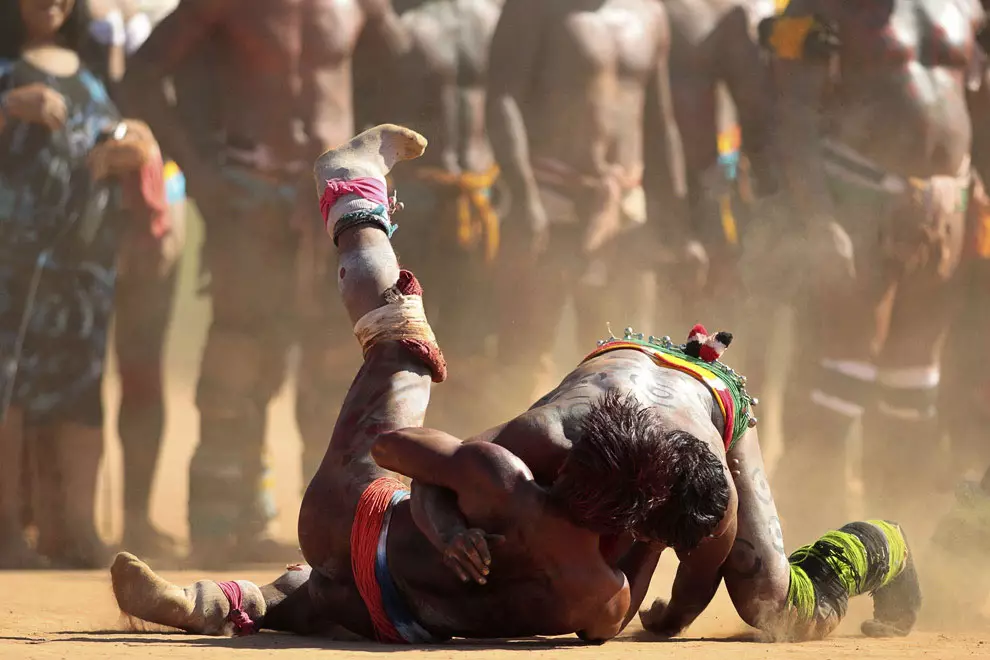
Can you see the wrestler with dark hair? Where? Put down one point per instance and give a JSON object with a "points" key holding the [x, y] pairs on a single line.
{"points": [[566, 508]]}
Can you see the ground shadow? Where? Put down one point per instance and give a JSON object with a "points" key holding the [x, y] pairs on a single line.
{"points": [[746, 637], [267, 641]]}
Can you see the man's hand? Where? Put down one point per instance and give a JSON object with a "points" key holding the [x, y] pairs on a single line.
{"points": [[467, 554], [37, 104], [691, 265], [655, 619], [527, 234], [831, 252]]}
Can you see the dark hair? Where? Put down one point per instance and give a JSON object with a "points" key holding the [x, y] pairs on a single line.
{"points": [[628, 472], [74, 33]]}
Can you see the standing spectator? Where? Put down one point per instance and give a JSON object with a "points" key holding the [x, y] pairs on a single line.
{"points": [[75, 184]]}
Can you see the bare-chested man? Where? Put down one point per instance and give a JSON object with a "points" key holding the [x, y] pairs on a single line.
{"points": [[450, 234], [285, 72], [723, 103], [631, 445], [568, 106], [875, 106]]}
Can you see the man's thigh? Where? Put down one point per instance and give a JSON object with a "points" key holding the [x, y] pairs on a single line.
{"points": [[918, 318], [391, 392], [251, 259]]}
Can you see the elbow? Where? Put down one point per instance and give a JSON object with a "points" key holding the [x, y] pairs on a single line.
{"points": [[592, 639], [497, 107], [383, 449]]}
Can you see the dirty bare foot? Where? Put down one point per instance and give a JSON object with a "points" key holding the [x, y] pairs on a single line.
{"points": [[200, 608], [372, 153]]}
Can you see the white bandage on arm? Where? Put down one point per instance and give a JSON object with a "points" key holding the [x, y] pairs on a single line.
{"points": [[403, 317], [109, 30]]}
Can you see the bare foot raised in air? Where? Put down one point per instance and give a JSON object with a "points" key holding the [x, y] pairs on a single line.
{"points": [[372, 154]]}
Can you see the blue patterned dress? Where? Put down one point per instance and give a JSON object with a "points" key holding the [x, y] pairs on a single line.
{"points": [[52, 348]]}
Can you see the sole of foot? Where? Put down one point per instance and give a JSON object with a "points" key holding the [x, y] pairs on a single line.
{"points": [[372, 153]]}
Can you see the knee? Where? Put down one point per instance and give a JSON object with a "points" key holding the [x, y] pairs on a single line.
{"points": [[908, 394], [141, 382], [843, 387], [237, 371]]}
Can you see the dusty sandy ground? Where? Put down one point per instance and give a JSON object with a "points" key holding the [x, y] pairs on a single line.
{"points": [[73, 615]]}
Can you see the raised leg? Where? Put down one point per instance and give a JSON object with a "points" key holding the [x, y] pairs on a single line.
{"points": [[805, 596], [391, 391]]}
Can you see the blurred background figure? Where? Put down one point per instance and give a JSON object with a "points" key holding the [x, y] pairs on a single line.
{"points": [[285, 68], [883, 218], [450, 227], [145, 297], [79, 190], [567, 115], [724, 107]]}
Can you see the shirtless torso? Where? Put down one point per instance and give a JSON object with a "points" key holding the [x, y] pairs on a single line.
{"points": [[286, 74], [440, 83], [573, 89]]}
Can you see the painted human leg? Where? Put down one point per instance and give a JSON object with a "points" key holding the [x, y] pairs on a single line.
{"points": [[805, 596], [391, 391]]}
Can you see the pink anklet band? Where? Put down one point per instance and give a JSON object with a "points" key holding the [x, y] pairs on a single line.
{"points": [[371, 189], [243, 625]]}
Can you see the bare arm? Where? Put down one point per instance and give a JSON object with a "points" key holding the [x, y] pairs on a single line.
{"points": [[698, 576], [465, 549], [612, 615], [474, 470], [757, 573], [979, 104], [664, 171], [748, 78], [638, 565], [141, 91], [801, 83], [513, 57]]}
